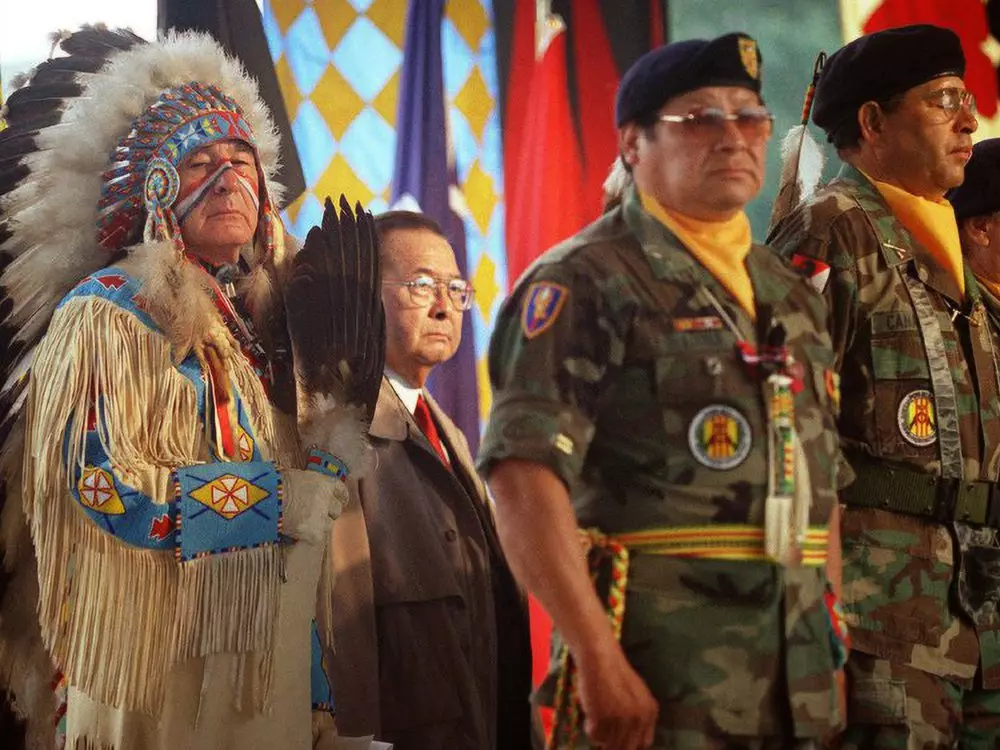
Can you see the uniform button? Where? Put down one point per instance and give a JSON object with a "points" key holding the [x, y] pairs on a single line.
{"points": [[451, 535]]}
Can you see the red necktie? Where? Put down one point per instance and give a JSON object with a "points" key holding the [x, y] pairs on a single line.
{"points": [[426, 423]]}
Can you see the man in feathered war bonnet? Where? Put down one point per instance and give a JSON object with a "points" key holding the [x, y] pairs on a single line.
{"points": [[169, 483]]}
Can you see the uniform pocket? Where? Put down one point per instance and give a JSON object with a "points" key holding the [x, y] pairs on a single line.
{"points": [[877, 701], [897, 572], [980, 571], [711, 416], [905, 415]]}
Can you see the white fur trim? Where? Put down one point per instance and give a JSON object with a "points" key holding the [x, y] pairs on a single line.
{"points": [[178, 297], [341, 430]]}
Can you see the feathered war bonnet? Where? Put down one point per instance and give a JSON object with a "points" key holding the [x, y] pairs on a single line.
{"points": [[88, 164]]}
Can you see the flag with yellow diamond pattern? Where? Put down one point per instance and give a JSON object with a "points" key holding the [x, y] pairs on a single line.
{"points": [[338, 64]]}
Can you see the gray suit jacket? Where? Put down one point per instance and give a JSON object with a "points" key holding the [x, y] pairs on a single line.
{"points": [[432, 647]]}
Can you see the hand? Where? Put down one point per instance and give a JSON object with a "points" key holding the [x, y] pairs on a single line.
{"points": [[620, 711], [338, 429]]}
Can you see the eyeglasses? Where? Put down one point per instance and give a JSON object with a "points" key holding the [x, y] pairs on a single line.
{"points": [[424, 290], [754, 123], [950, 100]]}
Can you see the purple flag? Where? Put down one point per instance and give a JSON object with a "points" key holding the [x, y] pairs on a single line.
{"points": [[425, 170]]}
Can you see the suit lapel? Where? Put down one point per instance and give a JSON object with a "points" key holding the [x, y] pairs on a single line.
{"points": [[393, 421], [457, 447], [390, 420], [464, 470]]}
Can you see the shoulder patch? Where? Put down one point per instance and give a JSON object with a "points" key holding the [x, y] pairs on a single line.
{"points": [[817, 272], [543, 302]]}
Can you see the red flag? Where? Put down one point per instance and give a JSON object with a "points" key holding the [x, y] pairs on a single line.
{"points": [[544, 198], [543, 178], [656, 24], [521, 69], [541, 634], [597, 84]]}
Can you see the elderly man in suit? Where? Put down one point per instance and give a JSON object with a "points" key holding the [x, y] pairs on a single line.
{"points": [[432, 647]]}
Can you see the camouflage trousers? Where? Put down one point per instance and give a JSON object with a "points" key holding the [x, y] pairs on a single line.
{"points": [[896, 707]]}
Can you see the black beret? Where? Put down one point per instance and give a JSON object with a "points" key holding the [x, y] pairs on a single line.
{"points": [[878, 66], [979, 194], [679, 67]]}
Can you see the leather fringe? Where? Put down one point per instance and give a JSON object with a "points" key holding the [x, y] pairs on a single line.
{"points": [[116, 618]]}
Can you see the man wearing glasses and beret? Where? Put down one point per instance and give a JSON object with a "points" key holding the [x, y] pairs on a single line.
{"points": [[918, 364], [435, 652], [662, 446]]}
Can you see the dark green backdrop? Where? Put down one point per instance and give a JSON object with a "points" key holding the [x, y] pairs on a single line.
{"points": [[790, 33]]}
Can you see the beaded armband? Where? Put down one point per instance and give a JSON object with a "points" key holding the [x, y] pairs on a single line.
{"points": [[327, 463]]}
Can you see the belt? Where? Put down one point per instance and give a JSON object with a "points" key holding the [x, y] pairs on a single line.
{"points": [[915, 493], [719, 542], [610, 553]]}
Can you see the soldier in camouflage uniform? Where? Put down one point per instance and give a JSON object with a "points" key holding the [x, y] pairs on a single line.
{"points": [[920, 426], [664, 390], [977, 208]]}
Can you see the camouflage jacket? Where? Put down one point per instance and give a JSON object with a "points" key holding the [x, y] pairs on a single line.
{"points": [[992, 307], [609, 362], [919, 378]]}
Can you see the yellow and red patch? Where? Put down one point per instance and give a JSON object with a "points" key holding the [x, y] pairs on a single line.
{"points": [[542, 305], [703, 323], [719, 437], [916, 418]]}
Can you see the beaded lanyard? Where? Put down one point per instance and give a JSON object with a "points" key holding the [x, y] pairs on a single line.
{"points": [[786, 507]]}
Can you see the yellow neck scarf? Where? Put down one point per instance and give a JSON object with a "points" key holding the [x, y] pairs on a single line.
{"points": [[932, 223], [720, 246]]}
